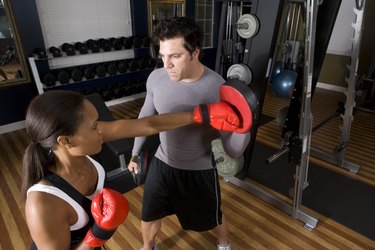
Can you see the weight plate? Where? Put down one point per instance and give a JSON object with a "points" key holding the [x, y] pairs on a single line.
{"points": [[247, 26], [241, 72], [225, 165]]}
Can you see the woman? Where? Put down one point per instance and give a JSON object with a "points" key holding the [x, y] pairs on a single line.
{"points": [[59, 177]]}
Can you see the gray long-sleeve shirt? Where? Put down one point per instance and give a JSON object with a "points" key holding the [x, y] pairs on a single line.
{"points": [[187, 147]]}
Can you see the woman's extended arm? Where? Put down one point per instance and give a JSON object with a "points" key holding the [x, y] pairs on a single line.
{"points": [[145, 126]]}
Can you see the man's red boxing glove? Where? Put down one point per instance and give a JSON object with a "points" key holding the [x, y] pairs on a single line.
{"points": [[109, 209], [219, 115]]}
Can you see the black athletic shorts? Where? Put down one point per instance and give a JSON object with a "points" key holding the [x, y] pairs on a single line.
{"points": [[193, 195]]}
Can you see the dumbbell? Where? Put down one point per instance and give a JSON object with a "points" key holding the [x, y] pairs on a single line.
{"points": [[150, 62], [125, 87], [118, 92], [122, 66], [49, 79], [63, 76], [128, 42], [140, 86], [111, 68], [56, 52], [129, 88], [108, 94], [99, 89], [76, 74], [122, 39], [88, 72], [81, 47], [68, 49], [132, 87], [100, 70], [93, 45], [143, 63], [116, 43], [40, 53], [105, 44], [133, 65]]}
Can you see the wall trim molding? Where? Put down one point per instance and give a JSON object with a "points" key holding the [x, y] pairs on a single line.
{"points": [[22, 124], [12, 127], [332, 87]]}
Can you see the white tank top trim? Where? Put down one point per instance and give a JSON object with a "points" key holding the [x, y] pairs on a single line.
{"points": [[81, 213]]}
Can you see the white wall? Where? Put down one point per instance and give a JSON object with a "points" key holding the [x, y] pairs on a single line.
{"points": [[341, 43]]}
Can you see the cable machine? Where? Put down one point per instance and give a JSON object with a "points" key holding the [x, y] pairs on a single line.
{"points": [[246, 52], [258, 53]]}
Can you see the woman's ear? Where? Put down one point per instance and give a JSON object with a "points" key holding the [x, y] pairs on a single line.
{"points": [[64, 141]]}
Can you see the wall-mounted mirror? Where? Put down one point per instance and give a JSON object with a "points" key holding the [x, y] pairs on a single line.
{"points": [[163, 9], [13, 67]]}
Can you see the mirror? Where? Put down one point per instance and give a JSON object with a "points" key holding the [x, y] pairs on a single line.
{"points": [[163, 9], [13, 68]]}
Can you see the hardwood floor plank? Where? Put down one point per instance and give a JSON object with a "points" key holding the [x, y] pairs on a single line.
{"points": [[10, 216], [252, 223], [5, 240]]}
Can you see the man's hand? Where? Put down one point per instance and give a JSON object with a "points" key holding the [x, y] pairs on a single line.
{"points": [[133, 164]]}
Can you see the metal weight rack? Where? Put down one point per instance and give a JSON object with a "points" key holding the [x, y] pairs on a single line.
{"points": [[257, 56]]}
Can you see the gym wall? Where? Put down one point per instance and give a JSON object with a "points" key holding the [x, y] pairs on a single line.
{"points": [[14, 100], [338, 55]]}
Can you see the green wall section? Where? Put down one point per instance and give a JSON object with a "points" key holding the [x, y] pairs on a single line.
{"points": [[334, 70]]}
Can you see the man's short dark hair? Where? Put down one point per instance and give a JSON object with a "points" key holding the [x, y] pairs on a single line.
{"points": [[180, 27]]}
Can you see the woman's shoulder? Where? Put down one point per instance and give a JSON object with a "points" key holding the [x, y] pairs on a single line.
{"points": [[43, 193], [47, 216], [42, 204]]}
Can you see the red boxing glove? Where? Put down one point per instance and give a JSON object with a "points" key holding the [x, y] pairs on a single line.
{"points": [[109, 209], [219, 115]]}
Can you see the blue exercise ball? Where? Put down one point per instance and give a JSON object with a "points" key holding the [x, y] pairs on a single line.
{"points": [[283, 83], [276, 69]]}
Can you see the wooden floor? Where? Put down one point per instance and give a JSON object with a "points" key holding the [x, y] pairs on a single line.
{"points": [[253, 223]]}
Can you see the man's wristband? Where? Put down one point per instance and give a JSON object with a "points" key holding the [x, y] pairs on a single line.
{"points": [[134, 158]]}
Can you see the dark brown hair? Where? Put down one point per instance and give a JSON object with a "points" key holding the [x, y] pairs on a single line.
{"points": [[180, 27], [48, 116]]}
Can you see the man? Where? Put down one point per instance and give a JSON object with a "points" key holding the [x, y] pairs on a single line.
{"points": [[182, 178]]}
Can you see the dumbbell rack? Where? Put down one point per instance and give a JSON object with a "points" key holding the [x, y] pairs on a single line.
{"points": [[41, 87], [124, 55]]}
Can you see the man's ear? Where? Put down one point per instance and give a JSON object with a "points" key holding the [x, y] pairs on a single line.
{"points": [[196, 52], [64, 141]]}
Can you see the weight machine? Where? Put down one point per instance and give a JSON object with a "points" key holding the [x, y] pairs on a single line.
{"points": [[257, 55], [345, 109], [297, 130], [347, 116]]}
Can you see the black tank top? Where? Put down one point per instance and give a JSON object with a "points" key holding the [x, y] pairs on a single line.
{"points": [[76, 236]]}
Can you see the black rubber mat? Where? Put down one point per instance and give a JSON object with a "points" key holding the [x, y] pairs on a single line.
{"points": [[344, 200], [264, 119]]}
